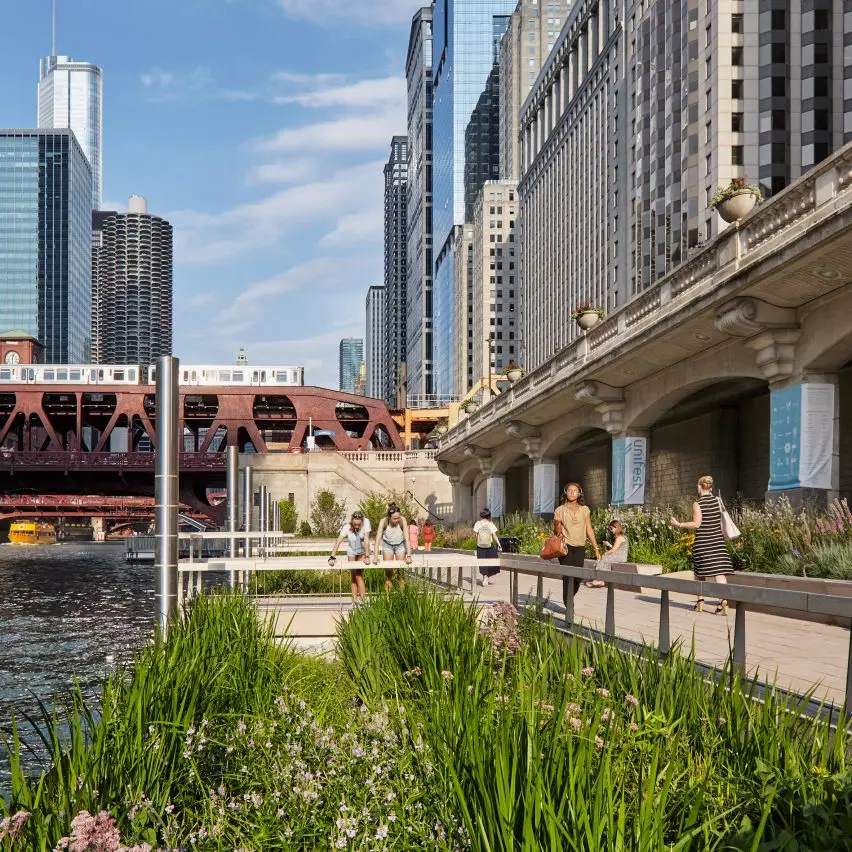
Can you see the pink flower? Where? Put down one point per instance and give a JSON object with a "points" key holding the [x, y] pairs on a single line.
{"points": [[599, 742], [631, 700], [601, 691], [587, 672], [447, 676], [11, 826], [634, 727]]}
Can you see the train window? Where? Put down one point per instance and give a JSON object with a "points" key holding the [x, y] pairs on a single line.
{"points": [[100, 375], [263, 375], [281, 378], [131, 374], [185, 375], [50, 375], [237, 376], [224, 375], [62, 375], [5, 375], [76, 375], [118, 375], [254, 376], [194, 376], [30, 374]]}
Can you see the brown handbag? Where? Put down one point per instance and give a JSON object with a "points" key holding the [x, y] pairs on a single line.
{"points": [[554, 548]]}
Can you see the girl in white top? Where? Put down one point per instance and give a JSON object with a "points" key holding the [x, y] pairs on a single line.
{"points": [[616, 552], [356, 534], [392, 539]]}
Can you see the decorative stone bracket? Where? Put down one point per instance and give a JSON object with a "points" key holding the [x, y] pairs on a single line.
{"points": [[448, 469], [482, 456], [608, 402], [773, 333], [530, 437]]}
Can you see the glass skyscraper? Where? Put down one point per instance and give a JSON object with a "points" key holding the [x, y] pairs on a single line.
{"points": [[45, 241], [351, 358], [70, 95], [466, 47]]}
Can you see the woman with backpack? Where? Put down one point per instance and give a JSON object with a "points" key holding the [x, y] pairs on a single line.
{"points": [[487, 544], [393, 542]]}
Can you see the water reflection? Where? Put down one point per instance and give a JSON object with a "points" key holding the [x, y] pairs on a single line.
{"points": [[66, 611]]}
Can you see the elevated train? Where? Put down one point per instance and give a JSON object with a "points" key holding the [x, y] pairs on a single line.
{"points": [[191, 375]]}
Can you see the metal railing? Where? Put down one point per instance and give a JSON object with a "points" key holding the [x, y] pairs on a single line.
{"points": [[741, 597], [79, 460]]}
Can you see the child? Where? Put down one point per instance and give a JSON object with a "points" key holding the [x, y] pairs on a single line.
{"points": [[615, 552], [428, 535]]}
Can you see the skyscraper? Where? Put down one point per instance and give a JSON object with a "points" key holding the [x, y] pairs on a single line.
{"points": [[530, 36], [466, 44], [45, 241], [418, 73], [70, 95], [132, 287], [374, 342], [350, 357], [396, 244]]}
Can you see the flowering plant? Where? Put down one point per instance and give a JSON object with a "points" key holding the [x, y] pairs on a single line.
{"points": [[587, 308], [737, 186]]}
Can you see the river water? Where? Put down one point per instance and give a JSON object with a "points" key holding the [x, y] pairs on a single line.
{"points": [[66, 611]]}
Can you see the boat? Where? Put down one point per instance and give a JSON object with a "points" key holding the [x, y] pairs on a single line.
{"points": [[32, 532], [75, 533]]}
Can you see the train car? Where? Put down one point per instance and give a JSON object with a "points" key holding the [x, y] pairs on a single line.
{"points": [[212, 375], [71, 374]]}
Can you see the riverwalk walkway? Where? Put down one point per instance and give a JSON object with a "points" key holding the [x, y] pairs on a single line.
{"points": [[797, 655]]}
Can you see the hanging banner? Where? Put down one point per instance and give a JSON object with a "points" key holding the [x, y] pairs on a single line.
{"points": [[629, 466], [817, 436], [495, 495], [544, 488], [802, 437]]}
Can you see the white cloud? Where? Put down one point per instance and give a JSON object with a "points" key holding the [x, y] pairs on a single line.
{"points": [[167, 86], [356, 229], [341, 12], [371, 93], [211, 238], [284, 172], [364, 132]]}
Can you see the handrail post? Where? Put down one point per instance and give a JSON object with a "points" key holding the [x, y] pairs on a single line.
{"points": [[539, 588], [849, 678], [568, 601], [233, 475], [609, 623], [740, 637], [664, 642], [514, 581]]}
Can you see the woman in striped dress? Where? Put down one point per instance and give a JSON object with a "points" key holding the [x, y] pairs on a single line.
{"points": [[710, 557]]}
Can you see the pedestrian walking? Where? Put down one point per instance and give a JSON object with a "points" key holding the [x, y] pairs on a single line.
{"points": [[413, 535], [356, 534], [572, 521], [710, 557], [428, 535], [487, 545], [392, 539]]}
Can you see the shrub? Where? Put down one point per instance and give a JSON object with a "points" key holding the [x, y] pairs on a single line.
{"points": [[530, 531], [327, 514], [288, 516], [375, 506], [305, 530]]}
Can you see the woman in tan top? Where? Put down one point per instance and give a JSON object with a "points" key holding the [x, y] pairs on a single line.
{"points": [[572, 521]]}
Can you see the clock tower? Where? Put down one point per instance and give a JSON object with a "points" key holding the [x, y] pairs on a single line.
{"points": [[18, 347]]}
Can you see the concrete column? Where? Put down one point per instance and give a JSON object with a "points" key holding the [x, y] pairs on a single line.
{"points": [[564, 88], [575, 69], [462, 501], [545, 486], [629, 469], [594, 40], [804, 440], [495, 490]]}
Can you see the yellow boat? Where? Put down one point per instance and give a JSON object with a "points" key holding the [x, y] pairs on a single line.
{"points": [[32, 532]]}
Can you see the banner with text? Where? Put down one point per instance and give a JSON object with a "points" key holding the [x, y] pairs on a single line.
{"points": [[629, 464], [544, 488], [495, 490], [802, 436]]}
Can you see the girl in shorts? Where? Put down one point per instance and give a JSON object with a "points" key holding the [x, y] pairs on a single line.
{"points": [[357, 550], [392, 539]]}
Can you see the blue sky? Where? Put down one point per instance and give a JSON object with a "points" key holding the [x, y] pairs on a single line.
{"points": [[259, 129]]}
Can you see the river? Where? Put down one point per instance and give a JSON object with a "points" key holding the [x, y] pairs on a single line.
{"points": [[66, 611]]}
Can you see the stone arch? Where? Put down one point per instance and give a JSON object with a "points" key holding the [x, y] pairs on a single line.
{"points": [[650, 399], [507, 456], [559, 435], [826, 342]]}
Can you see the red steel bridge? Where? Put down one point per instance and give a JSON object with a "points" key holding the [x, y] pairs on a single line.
{"points": [[99, 441]]}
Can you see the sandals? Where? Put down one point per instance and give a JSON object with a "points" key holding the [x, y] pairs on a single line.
{"points": [[722, 609], [699, 605]]}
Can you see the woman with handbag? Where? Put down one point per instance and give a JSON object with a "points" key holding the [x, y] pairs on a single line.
{"points": [[572, 523], [710, 557]]}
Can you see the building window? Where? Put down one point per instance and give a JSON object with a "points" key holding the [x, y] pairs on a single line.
{"points": [[737, 90], [737, 155], [736, 56], [736, 122], [779, 52], [821, 19], [779, 87], [736, 24], [779, 19]]}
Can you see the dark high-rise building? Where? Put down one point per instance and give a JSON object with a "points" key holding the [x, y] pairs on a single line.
{"points": [[45, 241], [131, 286], [396, 240], [418, 74], [482, 143]]}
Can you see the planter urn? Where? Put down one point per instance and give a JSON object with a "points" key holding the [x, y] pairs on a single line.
{"points": [[737, 206], [514, 374], [588, 319], [470, 407]]}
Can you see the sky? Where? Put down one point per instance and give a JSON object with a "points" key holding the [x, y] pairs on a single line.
{"points": [[259, 129]]}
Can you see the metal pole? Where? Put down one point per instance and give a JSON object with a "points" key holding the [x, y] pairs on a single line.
{"points": [[166, 475], [248, 489], [233, 479], [609, 624], [739, 638], [664, 641], [263, 511]]}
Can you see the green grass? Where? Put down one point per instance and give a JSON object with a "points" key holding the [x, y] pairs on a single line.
{"points": [[432, 730]]}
